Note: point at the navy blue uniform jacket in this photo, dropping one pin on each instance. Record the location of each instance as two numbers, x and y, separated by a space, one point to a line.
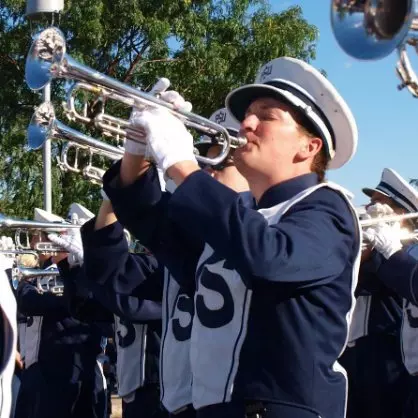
300 271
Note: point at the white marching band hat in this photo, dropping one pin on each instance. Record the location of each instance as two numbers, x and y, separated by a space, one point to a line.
397 188
303 87
221 117
81 211
41 215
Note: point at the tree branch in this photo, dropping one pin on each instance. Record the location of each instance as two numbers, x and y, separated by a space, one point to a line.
12 61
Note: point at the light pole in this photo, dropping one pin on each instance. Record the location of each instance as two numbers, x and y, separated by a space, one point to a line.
36 9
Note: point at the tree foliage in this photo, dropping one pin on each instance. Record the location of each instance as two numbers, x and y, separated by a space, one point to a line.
205 47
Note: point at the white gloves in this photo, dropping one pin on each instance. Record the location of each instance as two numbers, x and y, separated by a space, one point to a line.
137 145
168 139
72 243
7 244
386 239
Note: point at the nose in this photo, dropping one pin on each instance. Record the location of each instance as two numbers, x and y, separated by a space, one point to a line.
249 124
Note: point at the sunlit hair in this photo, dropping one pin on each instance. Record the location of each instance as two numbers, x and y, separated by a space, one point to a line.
320 162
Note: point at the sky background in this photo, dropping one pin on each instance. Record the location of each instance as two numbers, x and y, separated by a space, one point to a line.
387 118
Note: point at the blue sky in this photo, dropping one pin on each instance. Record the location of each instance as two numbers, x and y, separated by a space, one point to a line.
385 116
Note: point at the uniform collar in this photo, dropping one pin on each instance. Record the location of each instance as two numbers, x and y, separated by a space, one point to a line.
286 190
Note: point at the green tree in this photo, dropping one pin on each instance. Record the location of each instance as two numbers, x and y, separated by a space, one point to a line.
204 47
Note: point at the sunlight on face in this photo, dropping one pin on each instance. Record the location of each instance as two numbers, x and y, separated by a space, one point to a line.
273 137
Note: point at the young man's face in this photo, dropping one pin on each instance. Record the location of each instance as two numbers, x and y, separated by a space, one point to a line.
274 138
385 200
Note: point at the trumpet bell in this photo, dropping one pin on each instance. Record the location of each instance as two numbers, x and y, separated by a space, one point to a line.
371 29
48 48
40 126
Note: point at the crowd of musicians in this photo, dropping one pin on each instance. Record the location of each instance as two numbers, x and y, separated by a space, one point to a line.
261 292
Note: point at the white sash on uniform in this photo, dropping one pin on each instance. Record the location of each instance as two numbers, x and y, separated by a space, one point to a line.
222 304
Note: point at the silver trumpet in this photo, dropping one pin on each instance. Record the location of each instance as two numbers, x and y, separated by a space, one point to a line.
407 235
23 228
44 125
112 126
47 280
17 252
372 29
47 60
88 171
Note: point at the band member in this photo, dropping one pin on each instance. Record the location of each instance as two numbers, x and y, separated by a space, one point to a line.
48 390
393 291
8 340
274 285
129 274
378 380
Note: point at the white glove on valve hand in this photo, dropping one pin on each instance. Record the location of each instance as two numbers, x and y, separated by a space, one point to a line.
168 138
6 243
137 146
386 239
72 243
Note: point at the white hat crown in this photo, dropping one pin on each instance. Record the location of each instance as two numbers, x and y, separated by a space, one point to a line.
397 188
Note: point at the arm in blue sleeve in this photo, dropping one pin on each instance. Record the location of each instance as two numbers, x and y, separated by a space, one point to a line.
33 303
139 207
107 259
81 304
131 308
400 273
312 243
142 209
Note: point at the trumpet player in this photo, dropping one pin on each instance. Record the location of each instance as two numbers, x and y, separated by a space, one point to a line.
8 342
129 276
274 282
51 389
382 340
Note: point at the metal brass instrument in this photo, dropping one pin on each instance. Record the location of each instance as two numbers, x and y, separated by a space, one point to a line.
44 125
89 171
372 29
111 126
386 219
407 235
23 227
17 252
47 60
46 279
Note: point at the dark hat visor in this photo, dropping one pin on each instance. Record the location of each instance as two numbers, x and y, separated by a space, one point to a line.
369 192
240 100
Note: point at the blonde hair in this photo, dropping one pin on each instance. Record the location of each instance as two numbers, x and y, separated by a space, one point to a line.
27 260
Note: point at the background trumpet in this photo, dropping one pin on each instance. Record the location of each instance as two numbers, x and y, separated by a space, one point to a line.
72 150
46 279
406 233
371 29
24 228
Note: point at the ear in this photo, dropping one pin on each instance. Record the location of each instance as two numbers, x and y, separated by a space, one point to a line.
309 147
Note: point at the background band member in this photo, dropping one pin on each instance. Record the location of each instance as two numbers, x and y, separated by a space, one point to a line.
394 258
54 335
177 322
8 341
378 380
